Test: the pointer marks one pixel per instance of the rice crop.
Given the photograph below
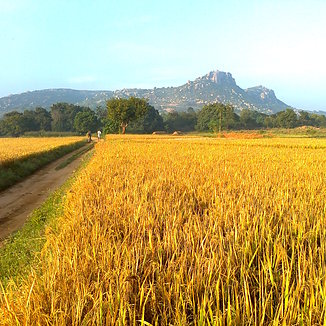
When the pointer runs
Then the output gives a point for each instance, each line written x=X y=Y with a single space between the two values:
x=185 y=231
x=17 y=148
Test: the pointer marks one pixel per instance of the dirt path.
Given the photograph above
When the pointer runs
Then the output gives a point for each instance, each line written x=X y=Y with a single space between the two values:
x=18 y=201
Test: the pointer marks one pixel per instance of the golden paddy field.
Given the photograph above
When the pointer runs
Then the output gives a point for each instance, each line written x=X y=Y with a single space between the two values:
x=185 y=231
x=17 y=148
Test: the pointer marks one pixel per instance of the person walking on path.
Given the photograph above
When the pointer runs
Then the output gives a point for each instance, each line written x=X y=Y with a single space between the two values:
x=89 y=136
x=99 y=135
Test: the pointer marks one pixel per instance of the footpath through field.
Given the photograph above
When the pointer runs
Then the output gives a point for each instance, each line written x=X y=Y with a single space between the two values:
x=17 y=202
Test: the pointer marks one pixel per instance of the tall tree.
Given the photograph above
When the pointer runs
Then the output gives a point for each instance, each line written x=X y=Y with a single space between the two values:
x=63 y=116
x=216 y=117
x=123 y=111
x=15 y=123
x=287 y=119
x=29 y=121
x=247 y=119
x=12 y=124
x=102 y=115
x=147 y=123
x=43 y=119
x=183 y=121
x=318 y=120
x=85 y=121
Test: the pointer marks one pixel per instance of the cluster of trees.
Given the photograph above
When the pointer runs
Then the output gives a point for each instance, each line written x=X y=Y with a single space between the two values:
x=15 y=123
x=137 y=114
x=134 y=113
x=62 y=117
x=290 y=119
x=217 y=117
x=183 y=121
x=140 y=117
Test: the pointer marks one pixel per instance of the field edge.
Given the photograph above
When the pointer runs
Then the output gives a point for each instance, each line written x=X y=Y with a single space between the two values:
x=19 y=252
x=15 y=171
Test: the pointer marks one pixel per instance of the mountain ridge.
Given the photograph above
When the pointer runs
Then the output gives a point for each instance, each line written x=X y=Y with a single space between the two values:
x=215 y=86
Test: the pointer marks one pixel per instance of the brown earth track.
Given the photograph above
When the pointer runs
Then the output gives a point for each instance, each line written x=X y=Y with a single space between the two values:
x=18 y=201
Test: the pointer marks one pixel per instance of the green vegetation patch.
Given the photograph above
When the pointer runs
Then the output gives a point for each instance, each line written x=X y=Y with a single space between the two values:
x=13 y=171
x=43 y=133
x=301 y=132
x=74 y=157
x=20 y=251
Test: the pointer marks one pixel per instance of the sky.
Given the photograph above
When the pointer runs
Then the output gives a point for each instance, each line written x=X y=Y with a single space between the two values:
x=115 y=44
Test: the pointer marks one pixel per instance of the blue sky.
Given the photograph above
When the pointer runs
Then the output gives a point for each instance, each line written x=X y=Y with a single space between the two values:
x=116 y=44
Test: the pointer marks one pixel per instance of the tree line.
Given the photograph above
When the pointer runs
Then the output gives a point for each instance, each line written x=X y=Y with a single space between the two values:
x=138 y=116
x=62 y=117
x=218 y=117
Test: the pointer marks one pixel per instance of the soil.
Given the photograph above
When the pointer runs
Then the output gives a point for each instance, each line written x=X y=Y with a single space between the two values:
x=18 y=201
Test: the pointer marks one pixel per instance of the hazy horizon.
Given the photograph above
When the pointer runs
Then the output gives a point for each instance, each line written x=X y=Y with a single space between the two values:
x=102 y=45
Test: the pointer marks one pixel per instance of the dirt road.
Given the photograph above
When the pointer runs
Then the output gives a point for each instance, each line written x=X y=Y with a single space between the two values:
x=17 y=202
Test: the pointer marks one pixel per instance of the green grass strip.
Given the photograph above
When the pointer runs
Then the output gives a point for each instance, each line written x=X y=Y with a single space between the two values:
x=20 y=250
x=14 y=171
x=74 y=157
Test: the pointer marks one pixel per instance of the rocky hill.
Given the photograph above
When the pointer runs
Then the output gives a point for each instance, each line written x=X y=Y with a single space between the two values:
x=46 y=97
x=216 y=86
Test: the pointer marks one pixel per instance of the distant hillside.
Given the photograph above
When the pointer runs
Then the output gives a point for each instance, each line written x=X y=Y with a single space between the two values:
x=216 y=86
x=45 y=98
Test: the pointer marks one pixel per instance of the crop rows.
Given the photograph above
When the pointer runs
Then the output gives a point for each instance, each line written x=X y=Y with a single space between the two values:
x=18 y=148
x=182 y=231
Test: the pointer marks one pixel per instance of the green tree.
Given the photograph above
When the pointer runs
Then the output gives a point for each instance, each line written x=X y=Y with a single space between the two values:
x=123 y=111
x=173 y=121
x=15 y=123
x=217 y=117
x=231 y=119
x=207 y=115
x=102 y=115
x=43 y=119
x=147 y=123
x=287 y=119
x=63 y=116
x=12 y=124
x=183 y=121
x=260 y=118
x=247 y=120
x=29 y=121
x=85 y=120
x=270 y=121
x=318 y=120
x=250 y=119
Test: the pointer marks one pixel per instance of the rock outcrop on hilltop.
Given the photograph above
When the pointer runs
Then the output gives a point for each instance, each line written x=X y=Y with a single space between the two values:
x=216 y=86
